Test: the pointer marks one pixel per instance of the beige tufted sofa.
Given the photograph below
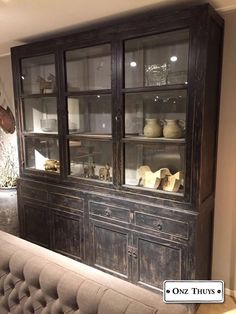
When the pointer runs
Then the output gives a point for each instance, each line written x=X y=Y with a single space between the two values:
x=37 y=280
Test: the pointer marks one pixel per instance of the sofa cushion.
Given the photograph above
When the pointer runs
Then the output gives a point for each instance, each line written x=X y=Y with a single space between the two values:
x=36 y=280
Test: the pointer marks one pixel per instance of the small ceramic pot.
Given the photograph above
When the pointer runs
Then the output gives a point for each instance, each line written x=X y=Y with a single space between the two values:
x=172 y=129
x=152 y=128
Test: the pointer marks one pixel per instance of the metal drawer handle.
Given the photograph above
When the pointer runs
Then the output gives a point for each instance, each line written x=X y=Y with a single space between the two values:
x=107 y=213
x=130 y=249
x=158 y=225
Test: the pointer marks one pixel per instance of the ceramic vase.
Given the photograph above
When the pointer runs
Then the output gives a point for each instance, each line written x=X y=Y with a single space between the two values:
x=152 y=128
x=172 y=129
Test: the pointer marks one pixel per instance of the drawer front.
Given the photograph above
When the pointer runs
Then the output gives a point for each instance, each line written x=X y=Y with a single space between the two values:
x=109 y=211
x=160 y=224
x=66 y=201
x=33 y=193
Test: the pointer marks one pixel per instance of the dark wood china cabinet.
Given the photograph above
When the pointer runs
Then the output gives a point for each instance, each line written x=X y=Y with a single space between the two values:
x=117 y=132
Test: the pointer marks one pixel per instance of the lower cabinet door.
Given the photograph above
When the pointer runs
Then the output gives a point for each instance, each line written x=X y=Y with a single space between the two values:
x=67 y=234
x=110 y=245
x=157 y=260
x=35 y=223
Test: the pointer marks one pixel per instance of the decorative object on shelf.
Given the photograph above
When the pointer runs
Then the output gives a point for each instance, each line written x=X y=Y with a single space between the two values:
x=7 y=120
x=172 y=129
x=163 y=176
x=156 y=74
x=89 y=169
x=149 y=179
x=104 y=173
x=141 y=173
x=171 y=183
x=48 y=125
x=152 y=128
x=48 y=86
x=52 y=165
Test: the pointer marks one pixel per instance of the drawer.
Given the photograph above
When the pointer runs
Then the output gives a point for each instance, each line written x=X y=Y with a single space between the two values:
x=66 y=201
x=160 y=224
x=33 y=193
x=109 y=211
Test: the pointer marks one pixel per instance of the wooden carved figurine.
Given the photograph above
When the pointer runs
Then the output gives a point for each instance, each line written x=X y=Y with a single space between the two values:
x=47 y=85
x=104 y=173
x=52 y=165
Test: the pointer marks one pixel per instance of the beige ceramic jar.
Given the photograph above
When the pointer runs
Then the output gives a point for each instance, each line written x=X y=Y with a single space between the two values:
x=152 y=128
x=172 y=129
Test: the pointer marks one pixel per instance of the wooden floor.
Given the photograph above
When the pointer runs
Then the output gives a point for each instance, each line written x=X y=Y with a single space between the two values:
x=229 y=307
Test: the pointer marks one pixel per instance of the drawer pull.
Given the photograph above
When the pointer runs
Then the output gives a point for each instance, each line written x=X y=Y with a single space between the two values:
x=157 y=225
x=107 y=213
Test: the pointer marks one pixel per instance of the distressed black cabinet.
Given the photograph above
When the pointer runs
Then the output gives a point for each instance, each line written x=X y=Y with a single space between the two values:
x=117 y=132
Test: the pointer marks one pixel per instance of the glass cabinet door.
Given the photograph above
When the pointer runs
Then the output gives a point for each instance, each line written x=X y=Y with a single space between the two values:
x=89 y=107
x=155 y=111
x=38 y=75
x=89 y=68
x=157 y=60
x=40 y=113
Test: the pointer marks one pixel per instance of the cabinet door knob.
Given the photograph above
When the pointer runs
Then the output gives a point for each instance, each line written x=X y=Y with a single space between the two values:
x=107 y=213
x=158 y=225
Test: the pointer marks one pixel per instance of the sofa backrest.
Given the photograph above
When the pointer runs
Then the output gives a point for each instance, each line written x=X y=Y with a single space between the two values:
x=36 y=280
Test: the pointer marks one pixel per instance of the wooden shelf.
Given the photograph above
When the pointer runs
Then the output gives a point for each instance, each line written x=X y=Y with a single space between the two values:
x=155 y=88
x=90 y=136
x=41 y=134
x=39 y=95
x=77 y=93
x=157 y=140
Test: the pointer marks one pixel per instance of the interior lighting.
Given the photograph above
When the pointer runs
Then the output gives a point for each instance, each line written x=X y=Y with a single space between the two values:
x=173 y=59
x=133 y=64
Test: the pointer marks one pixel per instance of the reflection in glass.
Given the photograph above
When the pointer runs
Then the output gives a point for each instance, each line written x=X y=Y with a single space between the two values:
x=90 y=114
x=157 y=60
x=154 y=166
x=139 y=107
x=42 y=154
x=40 y=115
x=89 y=68
x=90 y=159
x=38 y=75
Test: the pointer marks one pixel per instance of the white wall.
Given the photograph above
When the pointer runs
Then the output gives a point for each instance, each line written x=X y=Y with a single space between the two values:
x=224 y=247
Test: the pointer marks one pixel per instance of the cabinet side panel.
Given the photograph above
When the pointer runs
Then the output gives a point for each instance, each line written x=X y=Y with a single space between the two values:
x=211 y=112
x=204 y=245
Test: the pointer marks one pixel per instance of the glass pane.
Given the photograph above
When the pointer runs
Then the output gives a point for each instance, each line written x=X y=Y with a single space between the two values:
x=90 y=114
x=91 y=159
x=38 y=75
x=157 y=60
x=89 y=68
x=159 y=167
x=162 y=111
x=42 y=154
x=40 y=115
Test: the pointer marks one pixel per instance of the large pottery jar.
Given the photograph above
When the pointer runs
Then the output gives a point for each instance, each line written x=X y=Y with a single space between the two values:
x=172 y=129
x=152 y=128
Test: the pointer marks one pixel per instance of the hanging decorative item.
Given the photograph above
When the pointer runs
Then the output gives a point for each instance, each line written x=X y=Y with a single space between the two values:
x=7 y=120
